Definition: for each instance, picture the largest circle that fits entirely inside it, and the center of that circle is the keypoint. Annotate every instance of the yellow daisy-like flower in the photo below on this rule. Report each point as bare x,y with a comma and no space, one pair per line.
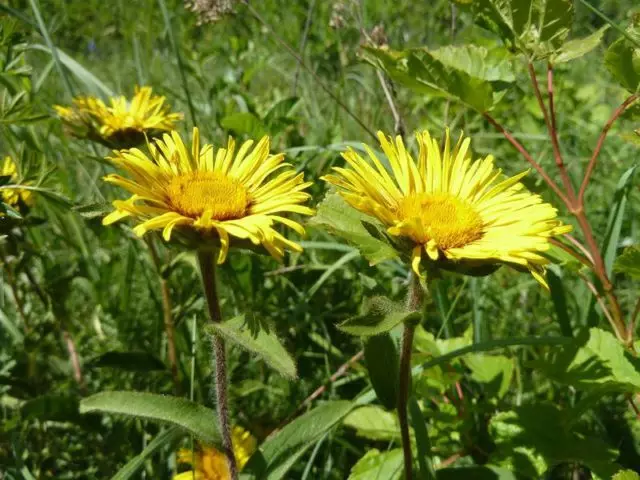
453,211
225,194
210,464
122,123
14,196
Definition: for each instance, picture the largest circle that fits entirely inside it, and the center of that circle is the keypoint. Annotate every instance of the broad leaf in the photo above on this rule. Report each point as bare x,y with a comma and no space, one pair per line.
537,28
376,465
264,344
381,359
379,316
130,361
579,47
623,61
340,219
494,370
491,64
626,475
298,435
533,438
244,123
421,71
629,262
374,423
189,416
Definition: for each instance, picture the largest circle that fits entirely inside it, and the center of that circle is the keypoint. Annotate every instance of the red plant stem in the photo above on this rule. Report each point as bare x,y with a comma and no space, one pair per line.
579,246
403,397
523,151
581,258
603,135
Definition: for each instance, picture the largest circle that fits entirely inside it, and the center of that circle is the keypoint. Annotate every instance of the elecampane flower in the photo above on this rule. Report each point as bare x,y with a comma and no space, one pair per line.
210,464
232,195
122,123
452,209
14,196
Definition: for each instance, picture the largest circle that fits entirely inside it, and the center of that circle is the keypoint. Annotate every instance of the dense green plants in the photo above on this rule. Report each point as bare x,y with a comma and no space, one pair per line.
387,342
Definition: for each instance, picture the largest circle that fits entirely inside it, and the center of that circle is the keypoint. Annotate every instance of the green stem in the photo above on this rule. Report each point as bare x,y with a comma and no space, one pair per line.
414,302
206,259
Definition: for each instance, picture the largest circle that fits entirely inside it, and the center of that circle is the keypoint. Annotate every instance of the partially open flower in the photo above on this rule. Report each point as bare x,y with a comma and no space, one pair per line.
209,463
455,212
16,198
122,123
222,196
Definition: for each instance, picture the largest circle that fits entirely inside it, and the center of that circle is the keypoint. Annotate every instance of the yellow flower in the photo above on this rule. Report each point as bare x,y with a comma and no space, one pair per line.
121,124
210,464
13,196
454,210
220,195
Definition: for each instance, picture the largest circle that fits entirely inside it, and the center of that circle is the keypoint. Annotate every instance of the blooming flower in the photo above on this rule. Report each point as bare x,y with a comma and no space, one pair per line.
228,195
452,210
210,464
14,197
121,124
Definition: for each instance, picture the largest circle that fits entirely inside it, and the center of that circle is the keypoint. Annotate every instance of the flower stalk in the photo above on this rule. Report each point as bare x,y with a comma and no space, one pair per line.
414,302
206,260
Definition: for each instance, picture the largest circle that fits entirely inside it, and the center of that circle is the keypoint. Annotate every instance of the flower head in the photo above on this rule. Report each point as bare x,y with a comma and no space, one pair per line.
452,210
14,197
222,195
210,464
121,124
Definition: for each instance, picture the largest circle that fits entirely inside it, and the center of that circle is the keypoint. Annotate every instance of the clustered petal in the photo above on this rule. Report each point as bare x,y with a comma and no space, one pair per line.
121,123
209,463
451,207
14,196
231,194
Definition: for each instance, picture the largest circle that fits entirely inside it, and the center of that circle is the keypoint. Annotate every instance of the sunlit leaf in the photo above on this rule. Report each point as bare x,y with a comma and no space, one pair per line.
579,47
375,465
629,262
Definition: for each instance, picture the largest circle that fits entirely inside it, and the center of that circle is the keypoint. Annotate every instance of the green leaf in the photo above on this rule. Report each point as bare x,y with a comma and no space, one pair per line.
381,359
299,434
629,262
94,210
190,416
51,407
579,47
533,438
494,370
485,472
130,361
168,437
376,465
340,219
623,61
594,362
423,444
559,299
490,64
374,423
266,345
380,315
626,475
279,111
537,28
421,71
244,123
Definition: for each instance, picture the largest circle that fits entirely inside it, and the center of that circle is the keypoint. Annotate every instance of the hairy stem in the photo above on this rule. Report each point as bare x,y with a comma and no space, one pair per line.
167,315
74,358
414,302
206,259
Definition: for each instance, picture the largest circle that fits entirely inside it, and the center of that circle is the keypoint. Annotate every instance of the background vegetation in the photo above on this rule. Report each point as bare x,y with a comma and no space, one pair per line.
68,282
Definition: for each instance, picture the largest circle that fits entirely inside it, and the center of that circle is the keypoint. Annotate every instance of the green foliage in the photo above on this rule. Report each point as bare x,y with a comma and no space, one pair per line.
379,316
374,423
579,47
381,359
264,344
189,416
629,262
623,61
375,464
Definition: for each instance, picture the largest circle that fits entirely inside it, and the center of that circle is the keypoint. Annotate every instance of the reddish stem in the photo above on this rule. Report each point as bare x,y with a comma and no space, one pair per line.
74,358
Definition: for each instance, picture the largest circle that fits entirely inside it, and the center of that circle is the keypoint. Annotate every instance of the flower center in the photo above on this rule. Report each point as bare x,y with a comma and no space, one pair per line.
449,221
194,193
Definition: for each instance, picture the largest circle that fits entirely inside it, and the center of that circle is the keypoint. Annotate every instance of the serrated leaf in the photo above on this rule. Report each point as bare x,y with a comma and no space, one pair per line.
579,47
379,316
490,64
374,423
129,361
381,359
422,72
626,475
340,219
189,416
275,453
533,438
376,465
629,262
266,345
623,62
535,27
